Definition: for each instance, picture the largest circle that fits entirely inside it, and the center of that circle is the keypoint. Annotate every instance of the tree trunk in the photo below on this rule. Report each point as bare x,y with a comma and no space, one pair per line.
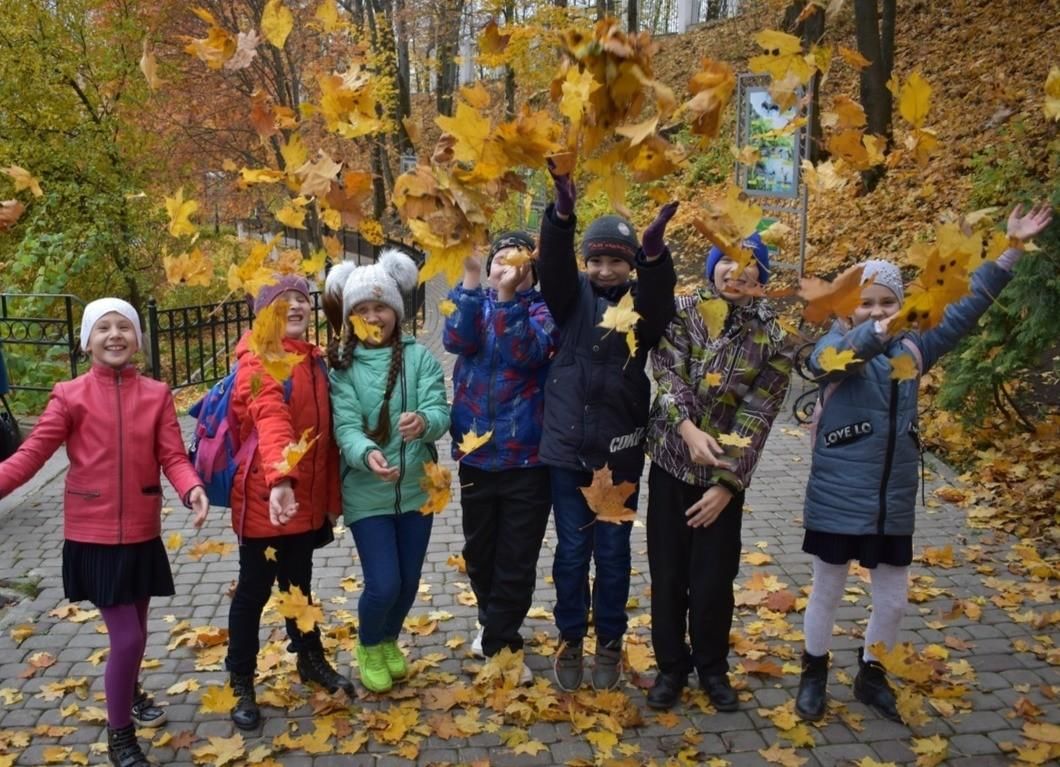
631,16
448,46
715,10
509,73
875,97
404,106
605,8
811,31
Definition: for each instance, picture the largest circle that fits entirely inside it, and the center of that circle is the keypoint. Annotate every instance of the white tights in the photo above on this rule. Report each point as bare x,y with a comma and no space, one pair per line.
890,595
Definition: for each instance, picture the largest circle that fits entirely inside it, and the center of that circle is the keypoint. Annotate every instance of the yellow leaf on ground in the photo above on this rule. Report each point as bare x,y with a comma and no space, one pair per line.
786,757
1047,732
221,751
930,751
217,700
174,541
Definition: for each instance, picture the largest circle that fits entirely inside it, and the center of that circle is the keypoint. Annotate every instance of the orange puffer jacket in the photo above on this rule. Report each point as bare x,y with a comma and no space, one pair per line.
120,430
257,402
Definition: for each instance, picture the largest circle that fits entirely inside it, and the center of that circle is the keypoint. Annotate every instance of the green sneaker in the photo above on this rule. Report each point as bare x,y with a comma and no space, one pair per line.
374,673
395,659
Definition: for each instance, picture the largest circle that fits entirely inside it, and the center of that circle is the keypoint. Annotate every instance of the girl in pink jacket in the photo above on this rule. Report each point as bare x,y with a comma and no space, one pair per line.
113,555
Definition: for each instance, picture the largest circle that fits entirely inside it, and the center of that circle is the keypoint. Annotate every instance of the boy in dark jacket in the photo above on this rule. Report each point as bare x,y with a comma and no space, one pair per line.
505,339
596,411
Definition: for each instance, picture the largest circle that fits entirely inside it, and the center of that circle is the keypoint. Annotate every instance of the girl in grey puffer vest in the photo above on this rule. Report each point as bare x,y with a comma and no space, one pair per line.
861,495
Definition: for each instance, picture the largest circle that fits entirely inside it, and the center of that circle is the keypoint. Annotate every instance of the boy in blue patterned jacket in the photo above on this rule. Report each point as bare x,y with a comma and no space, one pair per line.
861,495
505,339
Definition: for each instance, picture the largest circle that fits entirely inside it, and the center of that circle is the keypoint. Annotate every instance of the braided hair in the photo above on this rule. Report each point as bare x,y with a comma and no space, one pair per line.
380,434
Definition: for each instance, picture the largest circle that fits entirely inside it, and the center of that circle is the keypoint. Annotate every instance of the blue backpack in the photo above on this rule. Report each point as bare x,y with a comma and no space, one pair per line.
216,451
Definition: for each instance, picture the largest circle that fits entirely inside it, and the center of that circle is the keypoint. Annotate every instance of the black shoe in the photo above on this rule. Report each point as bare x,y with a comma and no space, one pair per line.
720,692
812,697
123,748
144,711
246,715
872,689
314,667
666,691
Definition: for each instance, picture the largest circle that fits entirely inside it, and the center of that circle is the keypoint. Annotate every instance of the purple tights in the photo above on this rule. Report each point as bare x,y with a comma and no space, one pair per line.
127,627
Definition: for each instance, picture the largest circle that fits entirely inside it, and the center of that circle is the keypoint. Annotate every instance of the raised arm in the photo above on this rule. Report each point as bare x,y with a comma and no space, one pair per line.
556,261
656,280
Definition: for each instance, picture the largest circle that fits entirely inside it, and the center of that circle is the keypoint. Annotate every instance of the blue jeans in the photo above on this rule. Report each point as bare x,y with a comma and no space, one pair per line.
391,548
581,538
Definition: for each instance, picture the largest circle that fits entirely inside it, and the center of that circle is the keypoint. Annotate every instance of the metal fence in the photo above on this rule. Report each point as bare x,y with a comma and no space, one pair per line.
39,327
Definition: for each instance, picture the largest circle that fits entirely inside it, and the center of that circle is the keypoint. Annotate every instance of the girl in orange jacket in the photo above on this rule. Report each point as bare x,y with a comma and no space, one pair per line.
113,555
288,510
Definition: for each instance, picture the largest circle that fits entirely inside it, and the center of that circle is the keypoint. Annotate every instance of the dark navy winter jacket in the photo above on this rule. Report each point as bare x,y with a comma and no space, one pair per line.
597,396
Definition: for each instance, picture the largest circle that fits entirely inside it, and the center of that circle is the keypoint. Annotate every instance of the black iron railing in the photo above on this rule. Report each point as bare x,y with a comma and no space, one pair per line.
805,403
39,327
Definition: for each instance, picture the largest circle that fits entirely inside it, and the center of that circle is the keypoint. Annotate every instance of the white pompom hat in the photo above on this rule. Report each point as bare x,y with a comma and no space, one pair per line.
384,281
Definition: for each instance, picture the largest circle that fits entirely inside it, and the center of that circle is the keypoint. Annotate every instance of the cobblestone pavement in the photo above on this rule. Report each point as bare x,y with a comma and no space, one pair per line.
1000,674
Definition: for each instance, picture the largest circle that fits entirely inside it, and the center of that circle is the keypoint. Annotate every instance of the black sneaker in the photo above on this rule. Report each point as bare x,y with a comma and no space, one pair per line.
144,711
607,667
567,666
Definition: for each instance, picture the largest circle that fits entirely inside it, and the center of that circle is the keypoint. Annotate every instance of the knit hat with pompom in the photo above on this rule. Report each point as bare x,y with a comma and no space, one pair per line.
384,281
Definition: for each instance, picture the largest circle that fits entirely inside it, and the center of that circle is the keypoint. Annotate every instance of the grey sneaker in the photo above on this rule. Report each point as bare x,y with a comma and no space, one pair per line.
607,670
567,666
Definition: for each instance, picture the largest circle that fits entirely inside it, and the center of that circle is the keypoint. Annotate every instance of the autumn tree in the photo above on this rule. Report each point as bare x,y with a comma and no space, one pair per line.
874,22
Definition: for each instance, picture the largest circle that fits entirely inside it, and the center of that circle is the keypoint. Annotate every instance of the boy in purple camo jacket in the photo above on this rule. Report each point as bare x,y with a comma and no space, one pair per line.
505,338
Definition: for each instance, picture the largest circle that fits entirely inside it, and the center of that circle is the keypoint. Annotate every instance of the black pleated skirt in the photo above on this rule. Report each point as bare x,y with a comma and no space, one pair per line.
869,550
108,575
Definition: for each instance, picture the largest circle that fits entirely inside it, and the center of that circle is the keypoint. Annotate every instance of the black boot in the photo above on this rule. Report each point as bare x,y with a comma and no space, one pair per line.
812,698
720,692
144,711
666,691
123,748
314,667
872,689
246,715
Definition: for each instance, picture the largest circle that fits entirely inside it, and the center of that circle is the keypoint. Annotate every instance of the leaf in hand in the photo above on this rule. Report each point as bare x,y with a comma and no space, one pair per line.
472,441
365,330
714,313
437,482
832,360
295,452
734,440
608,500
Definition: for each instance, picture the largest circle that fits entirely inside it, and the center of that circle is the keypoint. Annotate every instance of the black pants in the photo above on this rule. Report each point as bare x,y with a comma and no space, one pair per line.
505,514
692,575
293,567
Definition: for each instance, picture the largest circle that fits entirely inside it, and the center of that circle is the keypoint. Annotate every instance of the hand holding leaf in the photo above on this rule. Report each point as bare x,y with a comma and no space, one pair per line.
702,448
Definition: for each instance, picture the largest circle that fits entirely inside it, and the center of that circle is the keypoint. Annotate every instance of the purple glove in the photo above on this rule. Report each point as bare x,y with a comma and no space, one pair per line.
565,194
653,242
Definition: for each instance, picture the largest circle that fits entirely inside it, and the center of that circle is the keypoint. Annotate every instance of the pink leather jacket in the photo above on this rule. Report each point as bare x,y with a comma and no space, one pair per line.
120,429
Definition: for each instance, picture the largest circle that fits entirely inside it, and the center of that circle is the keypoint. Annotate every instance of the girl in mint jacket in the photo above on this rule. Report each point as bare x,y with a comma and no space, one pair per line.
389,405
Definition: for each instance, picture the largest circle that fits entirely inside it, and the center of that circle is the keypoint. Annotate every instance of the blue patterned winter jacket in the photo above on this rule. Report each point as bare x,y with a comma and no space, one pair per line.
504,348
864,476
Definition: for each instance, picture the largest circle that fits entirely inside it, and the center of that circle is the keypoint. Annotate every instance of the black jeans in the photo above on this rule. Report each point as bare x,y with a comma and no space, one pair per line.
505,514
692,575
293,567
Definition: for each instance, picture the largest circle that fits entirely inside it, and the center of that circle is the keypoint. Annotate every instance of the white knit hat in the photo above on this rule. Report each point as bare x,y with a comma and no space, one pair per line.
384,281
101,306
884,273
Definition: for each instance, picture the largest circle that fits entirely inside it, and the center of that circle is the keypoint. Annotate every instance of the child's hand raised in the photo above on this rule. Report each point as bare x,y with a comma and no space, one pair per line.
411,426
199,504
1023,226
282,504
378,466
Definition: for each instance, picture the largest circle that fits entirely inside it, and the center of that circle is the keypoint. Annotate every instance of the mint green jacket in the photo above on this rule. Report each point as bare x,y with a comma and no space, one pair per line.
357,393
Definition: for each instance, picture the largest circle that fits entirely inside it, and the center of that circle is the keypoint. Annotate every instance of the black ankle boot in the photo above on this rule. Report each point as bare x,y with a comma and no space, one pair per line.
872,689
666,691
812,698
314,667
144,711
719,690
246,715
123,748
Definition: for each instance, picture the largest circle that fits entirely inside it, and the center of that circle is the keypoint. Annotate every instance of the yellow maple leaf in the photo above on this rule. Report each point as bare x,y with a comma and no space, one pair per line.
868,761
316,176
914,99
276,22
472,441
621,317
216,48
930,751
295,605
711,88
786,757
1046,732
1051,107
174,541
904,368
327,15
194,268
217,700
608,500
734,440
832,360
23,180
314,265
293,213
179,211
447,307
295,452
266,341
251,176
603,742
714,312
853,58
470,128
437,482
221,751
365,330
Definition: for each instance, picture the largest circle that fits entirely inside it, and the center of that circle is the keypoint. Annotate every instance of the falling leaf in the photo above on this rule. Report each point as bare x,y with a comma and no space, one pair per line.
714,312
832,360
608,500
446,307
250,176
276,22
437,482
317,176
825,299
295,452
270,552
914,99
472,441
174,541
209,546
904,368
1051,107
365,330
179,211
193,268
853,58
217,700
295,605
292,214
711,88
149,67
266,341
622,318
246,49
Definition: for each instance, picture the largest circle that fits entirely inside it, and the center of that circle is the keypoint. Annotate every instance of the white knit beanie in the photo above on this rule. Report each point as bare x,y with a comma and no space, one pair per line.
884,273
384,281
101,306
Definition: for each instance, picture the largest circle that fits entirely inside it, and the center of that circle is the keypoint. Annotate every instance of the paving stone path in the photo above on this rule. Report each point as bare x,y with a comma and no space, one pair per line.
999,674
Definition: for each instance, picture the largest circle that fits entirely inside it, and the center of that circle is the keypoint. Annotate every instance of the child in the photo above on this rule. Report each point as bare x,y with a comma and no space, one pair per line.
286,511
505,338
707,386
861,495
389,400
596,411
112,515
